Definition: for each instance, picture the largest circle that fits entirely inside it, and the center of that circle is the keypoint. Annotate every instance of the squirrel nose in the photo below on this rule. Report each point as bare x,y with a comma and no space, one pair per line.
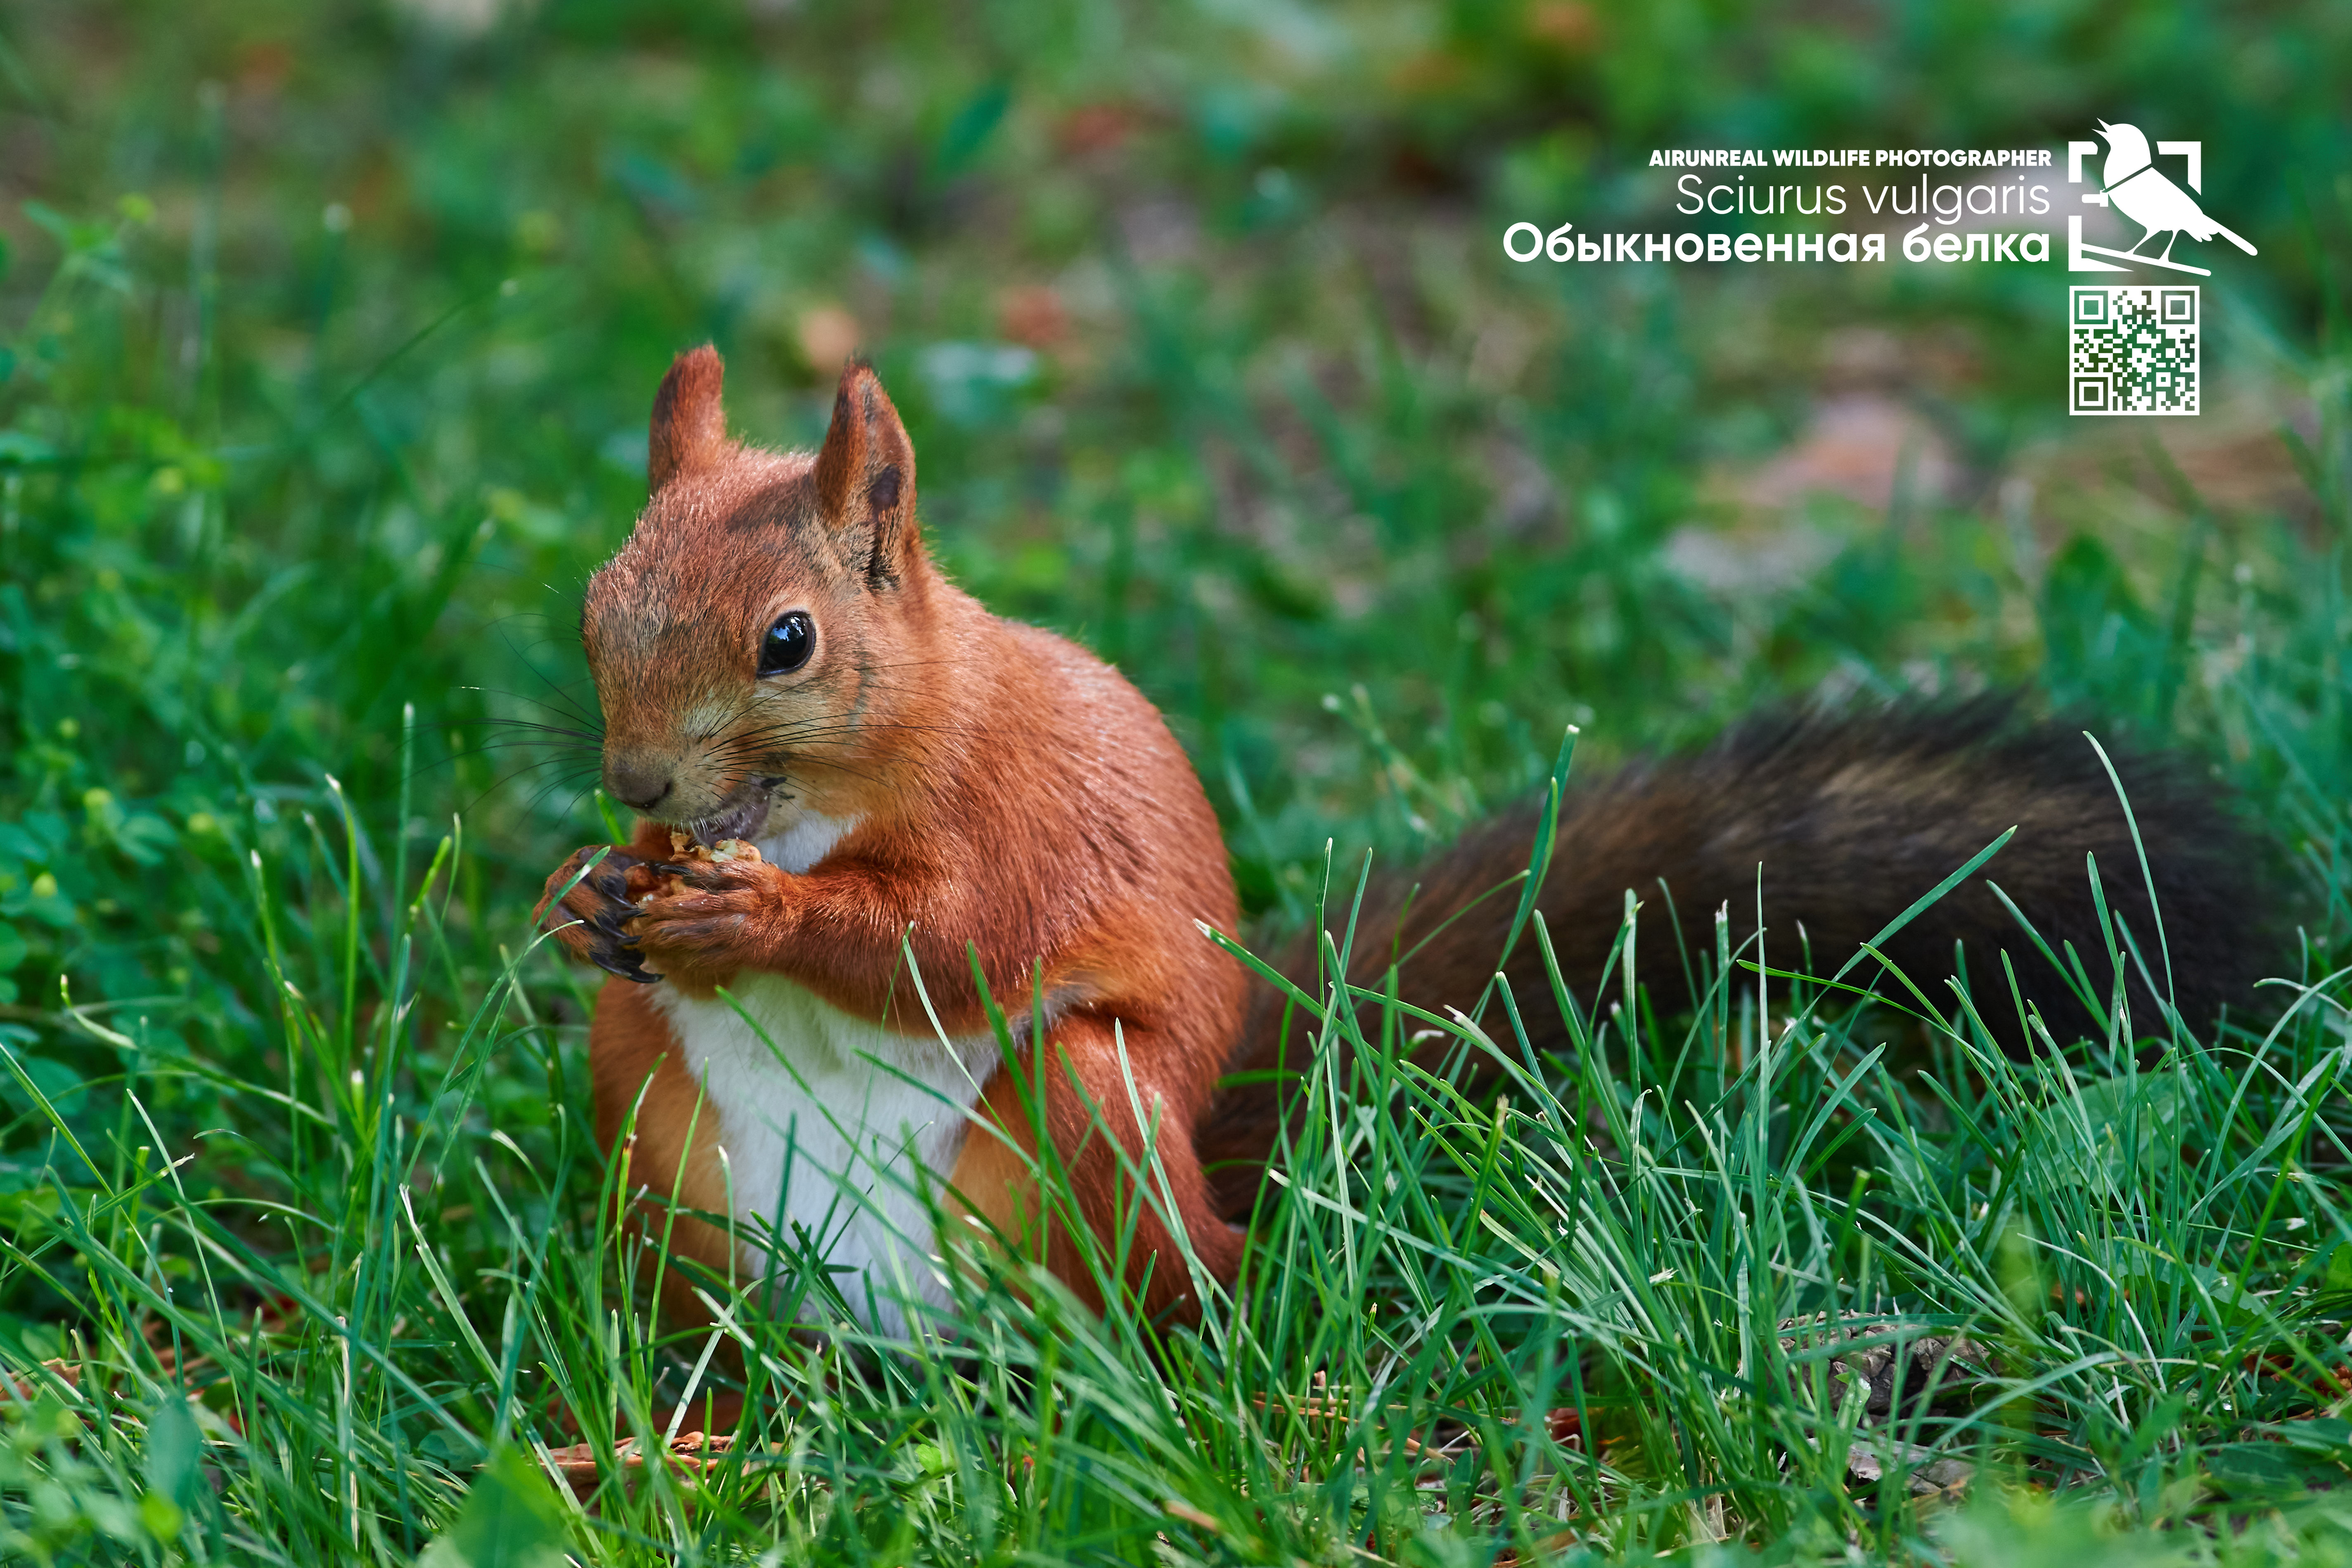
640,785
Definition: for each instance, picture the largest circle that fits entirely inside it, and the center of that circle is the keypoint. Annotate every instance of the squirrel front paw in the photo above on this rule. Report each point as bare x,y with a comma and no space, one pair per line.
591,919
710,917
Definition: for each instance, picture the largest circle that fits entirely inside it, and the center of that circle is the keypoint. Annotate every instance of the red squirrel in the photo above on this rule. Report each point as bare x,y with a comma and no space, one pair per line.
780,661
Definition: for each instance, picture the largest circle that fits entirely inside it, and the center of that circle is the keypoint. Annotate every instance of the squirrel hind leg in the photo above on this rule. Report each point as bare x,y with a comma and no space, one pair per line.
1083,1106
652,1113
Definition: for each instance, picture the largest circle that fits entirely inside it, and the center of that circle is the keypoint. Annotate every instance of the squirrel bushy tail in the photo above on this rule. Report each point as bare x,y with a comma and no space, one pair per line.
1852,819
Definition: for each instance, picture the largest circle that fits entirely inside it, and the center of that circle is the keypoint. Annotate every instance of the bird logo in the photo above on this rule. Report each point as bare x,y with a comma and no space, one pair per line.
2130,183
2136,188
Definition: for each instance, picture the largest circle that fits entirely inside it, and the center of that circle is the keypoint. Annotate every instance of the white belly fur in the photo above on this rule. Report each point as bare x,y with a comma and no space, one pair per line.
835,1136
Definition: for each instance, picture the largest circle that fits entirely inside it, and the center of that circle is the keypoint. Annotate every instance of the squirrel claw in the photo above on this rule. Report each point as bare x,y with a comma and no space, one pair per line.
589,914
625,965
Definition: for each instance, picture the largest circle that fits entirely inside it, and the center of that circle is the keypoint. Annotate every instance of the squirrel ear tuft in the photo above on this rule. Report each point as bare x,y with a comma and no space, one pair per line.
690,425
865,478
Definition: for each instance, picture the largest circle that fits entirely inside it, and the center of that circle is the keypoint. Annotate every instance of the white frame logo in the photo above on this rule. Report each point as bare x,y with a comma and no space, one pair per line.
2135,349
2133,187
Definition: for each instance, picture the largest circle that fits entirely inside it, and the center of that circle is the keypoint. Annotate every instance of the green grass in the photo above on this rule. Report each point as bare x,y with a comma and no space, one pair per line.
326,341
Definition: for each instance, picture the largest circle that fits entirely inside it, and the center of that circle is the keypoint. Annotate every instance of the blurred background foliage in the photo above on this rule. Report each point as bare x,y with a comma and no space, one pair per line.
327,335
331,330
328,332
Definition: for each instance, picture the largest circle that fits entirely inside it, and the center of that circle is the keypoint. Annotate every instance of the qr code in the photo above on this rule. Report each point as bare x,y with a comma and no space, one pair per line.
2132,350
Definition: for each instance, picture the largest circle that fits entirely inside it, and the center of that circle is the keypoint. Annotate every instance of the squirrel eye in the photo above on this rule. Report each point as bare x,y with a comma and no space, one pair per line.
788,644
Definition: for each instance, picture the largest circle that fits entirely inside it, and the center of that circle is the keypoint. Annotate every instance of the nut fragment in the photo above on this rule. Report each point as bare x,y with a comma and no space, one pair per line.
646,883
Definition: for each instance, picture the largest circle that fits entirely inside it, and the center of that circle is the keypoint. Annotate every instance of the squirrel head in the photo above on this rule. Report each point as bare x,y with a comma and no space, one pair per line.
751,641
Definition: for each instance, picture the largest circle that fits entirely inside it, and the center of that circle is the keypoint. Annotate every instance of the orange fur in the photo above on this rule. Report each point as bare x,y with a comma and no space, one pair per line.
644,1091
1000,792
